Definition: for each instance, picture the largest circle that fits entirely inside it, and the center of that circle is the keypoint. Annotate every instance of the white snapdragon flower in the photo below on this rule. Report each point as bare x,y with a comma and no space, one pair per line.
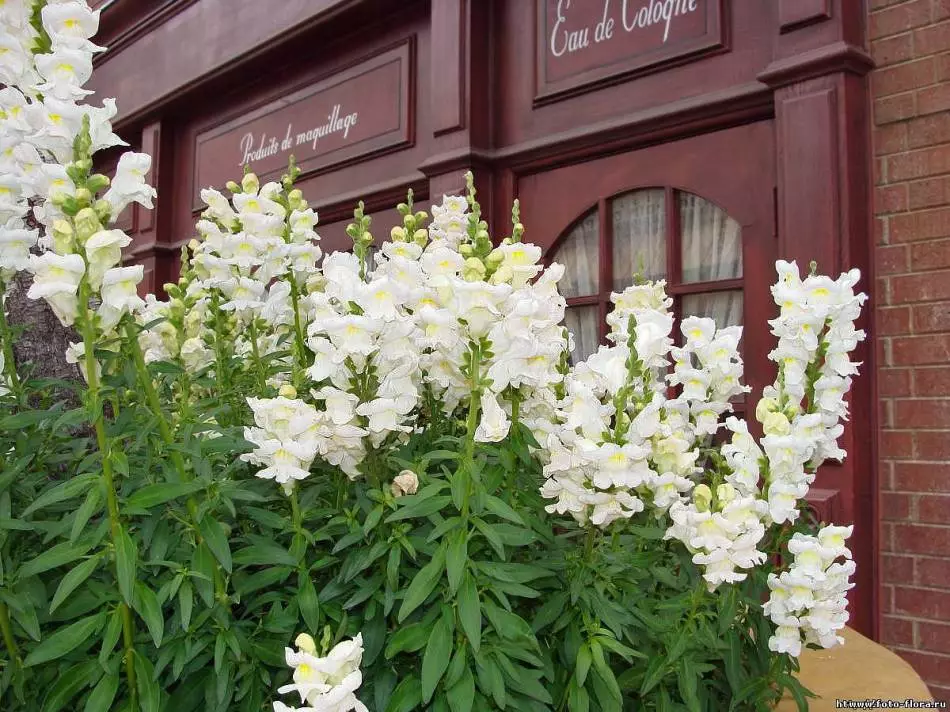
56,279
119,294
325,684
494,423
129,186
285,439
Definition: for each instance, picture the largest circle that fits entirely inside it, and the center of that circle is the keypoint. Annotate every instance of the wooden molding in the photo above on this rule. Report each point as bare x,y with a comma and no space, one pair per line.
830,59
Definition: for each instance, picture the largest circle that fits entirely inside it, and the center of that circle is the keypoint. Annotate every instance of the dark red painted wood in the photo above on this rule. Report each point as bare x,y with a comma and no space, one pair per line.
793,14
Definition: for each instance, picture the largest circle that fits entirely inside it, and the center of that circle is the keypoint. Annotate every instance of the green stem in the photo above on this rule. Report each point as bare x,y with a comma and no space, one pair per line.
256,357
112,501
295,511
164,428
6,341
300,360
8,640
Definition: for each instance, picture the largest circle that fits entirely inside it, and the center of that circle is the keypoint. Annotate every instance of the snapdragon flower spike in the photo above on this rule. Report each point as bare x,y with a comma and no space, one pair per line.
325,684
48,138
808,601
801,413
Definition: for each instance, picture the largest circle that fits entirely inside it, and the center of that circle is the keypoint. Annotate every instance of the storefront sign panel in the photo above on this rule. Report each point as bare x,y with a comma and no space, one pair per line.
350,116
583,44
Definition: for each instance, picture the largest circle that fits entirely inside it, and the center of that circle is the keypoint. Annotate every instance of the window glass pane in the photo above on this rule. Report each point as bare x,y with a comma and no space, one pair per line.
579,252
724,307
639,236
711,243
582,322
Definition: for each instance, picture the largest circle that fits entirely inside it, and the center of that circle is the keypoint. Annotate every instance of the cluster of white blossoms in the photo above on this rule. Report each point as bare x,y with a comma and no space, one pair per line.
443,321
801,414
256,253
325,684
808,602
622,444
47,137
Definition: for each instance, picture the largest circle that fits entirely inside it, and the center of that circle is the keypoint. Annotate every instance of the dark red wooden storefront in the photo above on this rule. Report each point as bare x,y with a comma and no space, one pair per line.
696,140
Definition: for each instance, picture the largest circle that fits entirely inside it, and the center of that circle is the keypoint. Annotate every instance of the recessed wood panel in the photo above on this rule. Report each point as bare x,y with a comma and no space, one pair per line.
582,45
808,175
357,113
793,14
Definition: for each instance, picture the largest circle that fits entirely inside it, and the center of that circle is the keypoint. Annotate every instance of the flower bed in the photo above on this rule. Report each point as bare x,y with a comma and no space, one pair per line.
378,482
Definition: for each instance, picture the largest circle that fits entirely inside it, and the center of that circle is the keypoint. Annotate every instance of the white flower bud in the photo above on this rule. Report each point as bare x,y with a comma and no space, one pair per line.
406,482
702,496
306,643
287,391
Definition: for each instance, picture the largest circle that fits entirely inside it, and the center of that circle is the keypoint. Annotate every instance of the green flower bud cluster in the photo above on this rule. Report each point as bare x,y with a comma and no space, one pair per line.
84,200
413,224
358,230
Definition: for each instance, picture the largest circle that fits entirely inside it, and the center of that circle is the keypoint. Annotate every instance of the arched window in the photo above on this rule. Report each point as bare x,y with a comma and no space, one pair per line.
657,233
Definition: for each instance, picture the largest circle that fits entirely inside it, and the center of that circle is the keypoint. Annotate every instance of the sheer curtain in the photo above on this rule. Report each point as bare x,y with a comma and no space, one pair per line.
579,252
711,251
639,236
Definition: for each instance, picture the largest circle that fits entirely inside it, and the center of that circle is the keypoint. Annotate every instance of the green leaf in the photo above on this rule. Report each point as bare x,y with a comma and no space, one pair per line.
110,636
202,562
416,509
687,680
186,602
470,612
578,699
89,507
149,693
101,697
126,562
264,553
213,534
502,509
456,557
422,584
58,555
72,580
69,684
491,680
436,657
65,640
153,495
372,519
582,664
308,602
407,639
407,695
462,694
147,606
491,536
655,672
72,487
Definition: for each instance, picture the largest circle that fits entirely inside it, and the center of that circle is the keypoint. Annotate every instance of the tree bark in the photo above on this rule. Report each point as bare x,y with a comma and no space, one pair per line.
40,346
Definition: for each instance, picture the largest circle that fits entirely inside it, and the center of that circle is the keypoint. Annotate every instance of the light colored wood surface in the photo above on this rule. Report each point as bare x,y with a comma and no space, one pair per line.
858,670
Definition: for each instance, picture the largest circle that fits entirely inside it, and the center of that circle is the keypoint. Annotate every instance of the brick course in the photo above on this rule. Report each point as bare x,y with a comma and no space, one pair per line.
910,99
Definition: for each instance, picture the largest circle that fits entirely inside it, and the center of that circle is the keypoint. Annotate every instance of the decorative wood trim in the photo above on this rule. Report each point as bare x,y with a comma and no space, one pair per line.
714,40
830,59
151,144
402,136
448,49
808,130
138,28
795,14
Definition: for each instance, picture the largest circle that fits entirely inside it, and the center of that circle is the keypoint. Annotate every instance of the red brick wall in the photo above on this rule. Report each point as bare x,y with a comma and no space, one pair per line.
910,41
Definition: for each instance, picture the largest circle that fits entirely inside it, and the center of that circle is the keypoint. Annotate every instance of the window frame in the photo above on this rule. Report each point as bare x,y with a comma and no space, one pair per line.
673,237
